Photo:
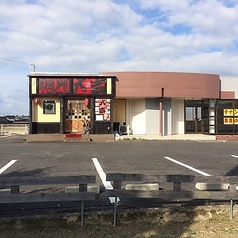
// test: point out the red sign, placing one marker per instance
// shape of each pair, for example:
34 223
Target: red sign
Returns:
89 86
54 85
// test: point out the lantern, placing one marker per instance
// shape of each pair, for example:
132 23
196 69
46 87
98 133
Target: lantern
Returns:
86 101
36 101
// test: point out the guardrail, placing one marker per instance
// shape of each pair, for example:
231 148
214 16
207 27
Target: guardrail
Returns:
211 188
14 195
14 129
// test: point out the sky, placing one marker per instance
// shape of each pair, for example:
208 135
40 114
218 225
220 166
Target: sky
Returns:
91 36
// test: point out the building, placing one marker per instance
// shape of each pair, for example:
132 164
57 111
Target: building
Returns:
139 103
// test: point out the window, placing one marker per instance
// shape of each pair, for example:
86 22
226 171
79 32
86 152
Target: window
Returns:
49 107
103 109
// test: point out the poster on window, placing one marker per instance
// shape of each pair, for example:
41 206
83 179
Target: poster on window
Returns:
230 112
102 109
230 120
230 116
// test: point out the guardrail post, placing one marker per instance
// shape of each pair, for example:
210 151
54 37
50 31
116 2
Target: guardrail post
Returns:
82 213
15 189
82 188
116 185
1 129
232 189
115 212
177 186
231 209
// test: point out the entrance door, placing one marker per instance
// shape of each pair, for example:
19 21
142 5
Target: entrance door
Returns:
193 119
77 116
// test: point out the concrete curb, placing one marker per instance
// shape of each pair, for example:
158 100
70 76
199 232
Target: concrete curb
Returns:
212 187
90 188
142 186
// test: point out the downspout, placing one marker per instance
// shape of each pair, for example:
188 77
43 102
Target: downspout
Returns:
161 112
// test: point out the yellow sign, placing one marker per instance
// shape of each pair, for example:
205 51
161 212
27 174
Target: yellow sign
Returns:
230 120
230 112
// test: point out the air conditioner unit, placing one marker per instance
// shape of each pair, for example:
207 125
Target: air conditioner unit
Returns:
123 129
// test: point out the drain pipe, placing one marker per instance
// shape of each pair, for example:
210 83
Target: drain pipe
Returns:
161 112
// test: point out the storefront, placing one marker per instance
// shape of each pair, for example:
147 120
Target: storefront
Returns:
214 116
137 103
66 103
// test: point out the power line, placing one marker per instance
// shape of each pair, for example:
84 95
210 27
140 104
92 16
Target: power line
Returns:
19 62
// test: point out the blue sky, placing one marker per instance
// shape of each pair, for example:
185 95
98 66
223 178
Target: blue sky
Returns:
85 36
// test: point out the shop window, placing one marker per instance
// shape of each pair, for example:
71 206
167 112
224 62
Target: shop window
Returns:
49 107
103 109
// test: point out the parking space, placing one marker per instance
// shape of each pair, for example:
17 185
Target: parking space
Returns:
151 157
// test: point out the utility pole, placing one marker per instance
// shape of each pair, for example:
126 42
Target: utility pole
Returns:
34 67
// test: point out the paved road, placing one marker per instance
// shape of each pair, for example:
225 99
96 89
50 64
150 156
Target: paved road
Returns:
150 157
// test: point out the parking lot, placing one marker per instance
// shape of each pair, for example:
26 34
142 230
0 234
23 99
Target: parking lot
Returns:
150 157
19 158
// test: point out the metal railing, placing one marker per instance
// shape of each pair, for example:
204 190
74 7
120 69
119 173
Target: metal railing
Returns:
20 129
215 188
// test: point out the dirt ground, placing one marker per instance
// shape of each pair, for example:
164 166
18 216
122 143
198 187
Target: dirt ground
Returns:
218 226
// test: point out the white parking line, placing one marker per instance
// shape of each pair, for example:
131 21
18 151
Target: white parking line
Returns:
235 156
102 176
5 167
187 166
193 169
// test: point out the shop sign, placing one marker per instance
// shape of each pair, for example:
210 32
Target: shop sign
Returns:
230 120
230 112
76 86
228 116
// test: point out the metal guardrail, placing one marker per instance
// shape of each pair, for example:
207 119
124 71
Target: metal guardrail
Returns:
21 129
215 193
14 195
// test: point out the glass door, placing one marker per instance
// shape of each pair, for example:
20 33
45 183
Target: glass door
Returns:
77 116
193 117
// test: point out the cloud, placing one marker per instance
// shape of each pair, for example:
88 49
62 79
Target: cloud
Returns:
105 35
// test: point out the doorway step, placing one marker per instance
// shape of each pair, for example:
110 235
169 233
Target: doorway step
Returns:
76 137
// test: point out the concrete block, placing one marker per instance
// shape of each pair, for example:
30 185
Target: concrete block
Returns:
212 187
5 191
44 137
142 186
90 188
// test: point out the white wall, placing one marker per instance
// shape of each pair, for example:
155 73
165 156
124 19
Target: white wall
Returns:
177 106
167 117
143 116
138 116
152 116
229 83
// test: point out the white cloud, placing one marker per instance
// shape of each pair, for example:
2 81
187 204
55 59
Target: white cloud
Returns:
107 35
